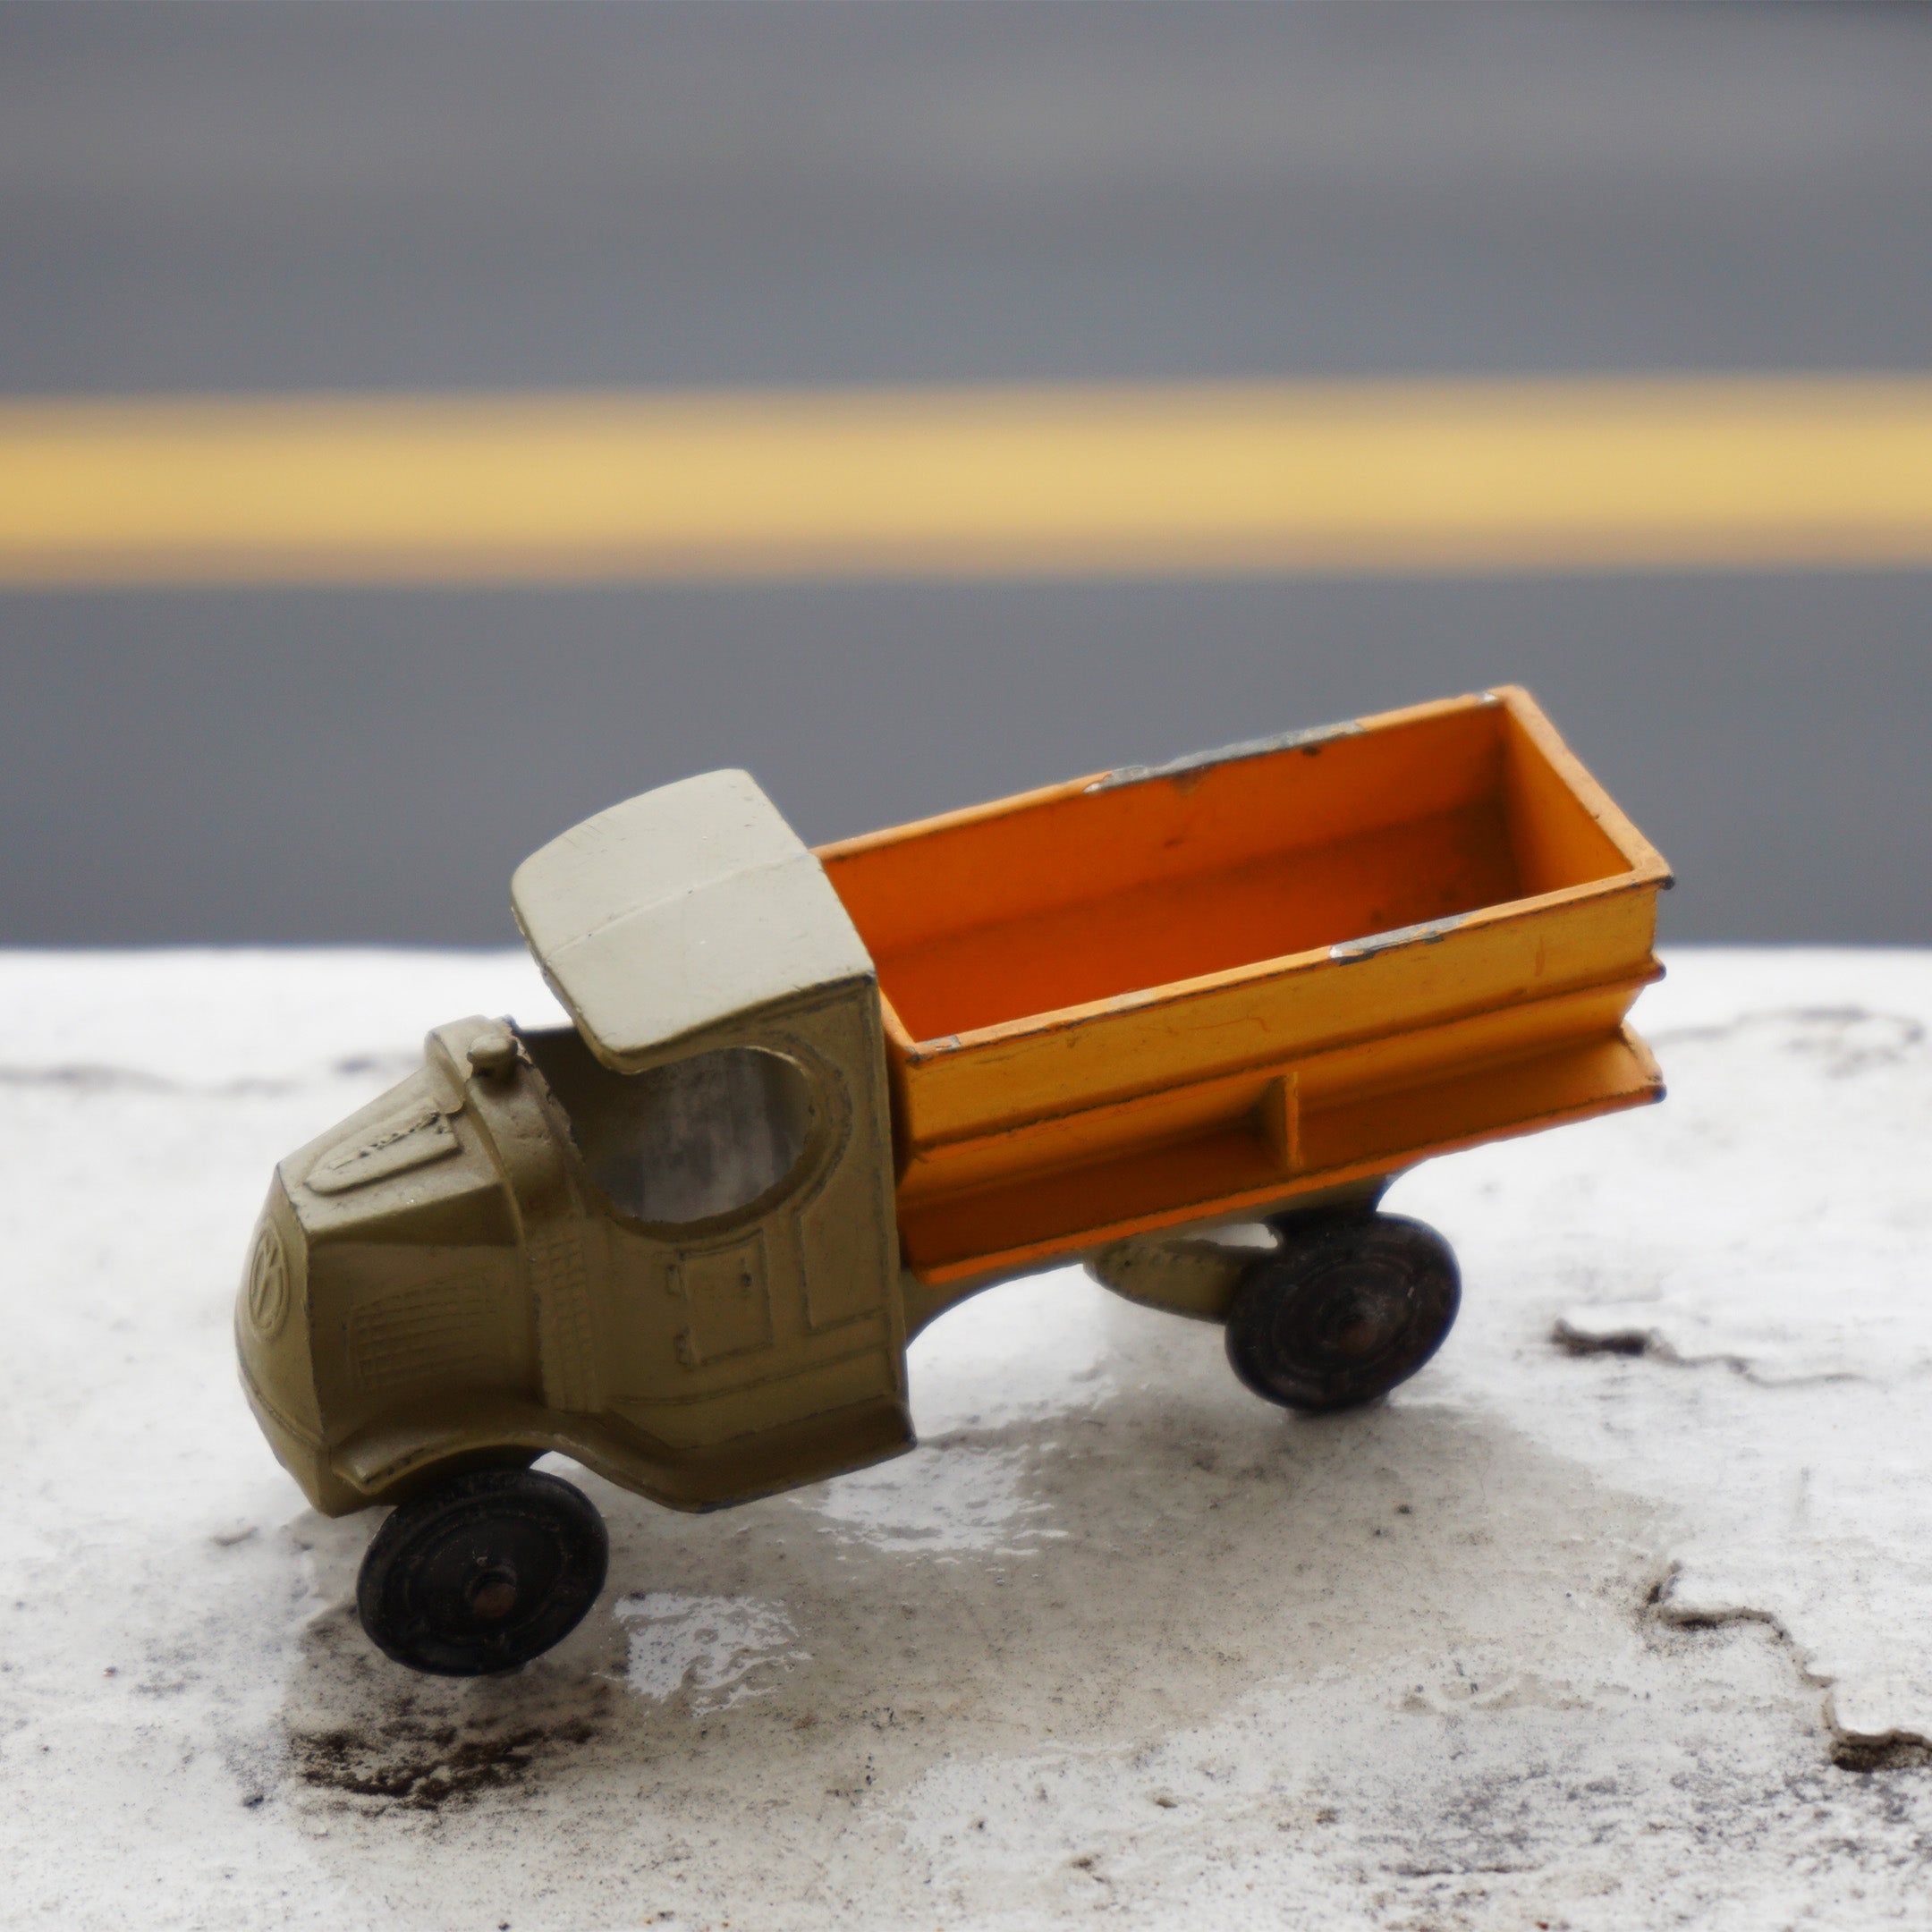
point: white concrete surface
(1619, 1615)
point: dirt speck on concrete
(427, 1761)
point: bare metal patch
(1197, 763)
(1427, 934)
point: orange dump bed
(1160, 996)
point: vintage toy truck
(813, 1099)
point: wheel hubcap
(493, 1594)
(1361, 1319)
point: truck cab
(660, 1241)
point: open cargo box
(1160, 995)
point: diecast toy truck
(812, 1099)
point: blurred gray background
(319, 195)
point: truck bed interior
(1083, 893)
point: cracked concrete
(1618, 1628)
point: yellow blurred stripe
(1544, 475)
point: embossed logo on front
(267, 1285)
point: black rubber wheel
(1351, 1306)
(482, 1573)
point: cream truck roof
(680, 914)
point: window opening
(700, 1137)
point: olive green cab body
(661, 1242)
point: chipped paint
(1427, 934)
(1196, 763)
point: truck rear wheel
(482, 1573)
(1349, 1307)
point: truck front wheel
(1349, 1307)
(482, 1573)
